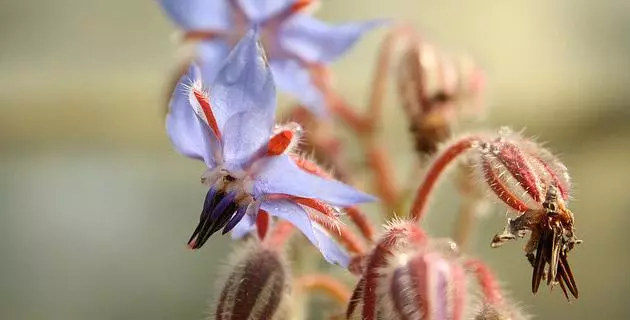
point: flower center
(225, 205)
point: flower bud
(426, 284)
(518, 171)
(257, 287)
(531, 181)
(433, 91)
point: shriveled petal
(189, 134)
(287, 210)
(294, 78)
(199, 14)
(258, 11)
(244, 83)
(280, 175)
(244, 134)
(316, 41)
(210, 55)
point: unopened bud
(257, 287)
(426, 284)
(434, 90)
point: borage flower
(250, 167)
(293, 38)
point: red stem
(359, 218)
(487, 281)
(435, 171)
(382, 68)
(325, 284)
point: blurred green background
(95, 206)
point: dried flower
(531, 181)
(258, 286)
(292, 37)
(250, 166)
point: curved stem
(359, 218)
(487, 281)
(435, 170)
(465, 222)
(380, 77)
(325, 284)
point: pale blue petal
(295, 214)
(210, 55)
(260, 10)
(244, 134)
(294, 78)
(317, 42)
(199, 14)
(280, 175)
(189, 134)
(244, 83)
(247, 225)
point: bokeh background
(96, 207)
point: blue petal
(210, 55)
(244, 134)
(189, 134)
(247, 225)
(280, 175)
(244, 83)
(260, 10)
(295, 214)
(295, 79)
(316, 41)
(199, 14)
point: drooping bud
(534, 183)
(518, 171)
(427, 283)
(258, 286)
(434, 90)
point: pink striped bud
(534, 183)
(424, 284)
(518, 171)
(257, 287)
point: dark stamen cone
(219, 211)
(257, 287)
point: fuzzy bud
(433, 91)
(519, 171)
(534, 183)
(257, 287)
(428, 283)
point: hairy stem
(434, 172)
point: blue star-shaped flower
(231, 128)
(293, 39)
